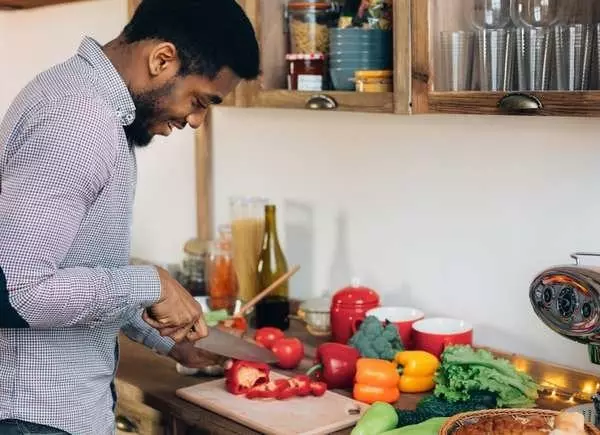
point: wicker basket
(459, 420)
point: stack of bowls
(356, 49)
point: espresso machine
(567, 299)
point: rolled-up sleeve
(48, 185)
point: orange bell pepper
(376, 380)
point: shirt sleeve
(49, 182)
(137, 330)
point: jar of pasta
(309, 24)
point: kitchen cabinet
(28, 4)
(535, 57)
(271, 89)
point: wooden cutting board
(307, 415)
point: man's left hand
(194, 358)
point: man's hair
(209, 34)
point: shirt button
(129, 117)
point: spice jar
(305, 71)
(374, 81)
(309, 24)
(348, 306)
(193, 267)
(220, 273)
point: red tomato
(289, 352)
(267, 336)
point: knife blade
(222, 343)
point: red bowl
(434, 334)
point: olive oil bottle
(274, 310)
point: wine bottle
(273, 310)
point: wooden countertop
(153, 379)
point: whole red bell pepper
(335, 364)
(241, 376)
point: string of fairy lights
(556, 392)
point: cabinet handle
(125, 425)
(321, 102)
(519, 103)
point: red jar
(347, 306)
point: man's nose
(195, 120)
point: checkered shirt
(67, 185)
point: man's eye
(199, 105)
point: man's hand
(177, 314)
(194, 358)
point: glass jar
(193, 267)
(247, 226)
(308, 24)
(374, 81)
(220, 274)
(305, 72)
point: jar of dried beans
(220, 273)
(309, 24)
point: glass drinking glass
(490, 14)
(534, 13)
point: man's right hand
(176, 314)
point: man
(67, 180)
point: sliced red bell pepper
(241, 376)
(318, 388)
(287, 389)
(268, 390)
(302, 384)
(335, 364)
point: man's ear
(163, 60)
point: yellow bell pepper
(418, 370)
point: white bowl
(442, 326)
(396, 314)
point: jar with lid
(374, 81)
(193, 267)
(306, 72)
(348, 306)
(221, 280)
(308, 25)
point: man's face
(168, 100)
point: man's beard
(147, 111)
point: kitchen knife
(222, 343)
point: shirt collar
(110, 83)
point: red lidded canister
(349, 305)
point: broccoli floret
(374, 340)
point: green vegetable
(374, 340)
(432, 406)
(212, 318)
(380, 417)
(429, 427)
(464, 370)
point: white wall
(451, 214)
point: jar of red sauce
(349, 305)
(306, 72)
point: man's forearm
(75, 296)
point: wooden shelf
(581, 104)
(346, 101)
(29, 4)
(268, 20)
